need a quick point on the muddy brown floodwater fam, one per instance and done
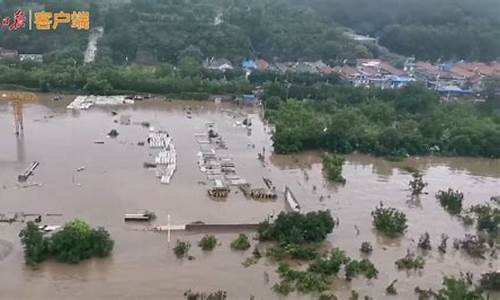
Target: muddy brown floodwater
(143, 265)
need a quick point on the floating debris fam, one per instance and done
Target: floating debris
(99, 142)
(113, 133)
(86, 102)
(291, 202)
(145, 216)
(28, 172)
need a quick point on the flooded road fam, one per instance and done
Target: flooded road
(143, 265)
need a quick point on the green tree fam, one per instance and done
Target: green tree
(34, 244)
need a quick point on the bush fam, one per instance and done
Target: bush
(417, 185)
(410, 262)
(241, 243)
(459, 288)
(366, 248)
(75, 242)
(365, 267)
(389, 220)
(294, 251)
(296, 228)
(451, 200)
(208, 243)
(490, 281)
(332, 167)
(302, 281)
(35, 245)
(331, 264)
(181, 248)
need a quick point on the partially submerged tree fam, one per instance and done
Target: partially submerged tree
(241, 243)
(34, 243)
(181, 248)
(75, 242)
(417, 184)
(388, 220)
(296, 228)
(410, 262)
(208, 243)
(78, 241)
(451, 200)
(332, 167)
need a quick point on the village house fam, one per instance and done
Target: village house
(249, 64)
(262, 65)
(8, 53)
(221, 64)
(31, 58)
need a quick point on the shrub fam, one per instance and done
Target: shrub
(451, 200)
(293, 251)
(417, 185)
(296, 228)
(490, 281)
(389, 220)
(366, 248)
(35, 245)
(365, 267)
(331, 264)
(302, 281)
(181, 248)
(332, 167)
(459, 288)
(208, 243)
(410, 262)
(241, 243)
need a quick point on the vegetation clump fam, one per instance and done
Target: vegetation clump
(453, 288)
(364, 266)
(75, 242)
(208, 243)
(294, 251)
(366, 247)
(297, 228)
(389, 220)
(332, 167)
(181, 248)
(424, 242)
(410, 262)
(490, 281)
(451, 200)
(217, 295)
(417, 184)
(241, 243)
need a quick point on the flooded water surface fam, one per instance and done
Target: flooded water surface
(143, 264)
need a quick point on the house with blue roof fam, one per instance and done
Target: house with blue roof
(249, 64)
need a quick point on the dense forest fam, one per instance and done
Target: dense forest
(428, 29)
(166, 31)
(392, 123)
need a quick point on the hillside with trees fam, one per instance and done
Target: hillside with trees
(428, 29)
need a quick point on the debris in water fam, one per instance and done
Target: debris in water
(80, 169)
(99, 142)
(113, 133)
(424, 242)
(28, 172)
(442, 246)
